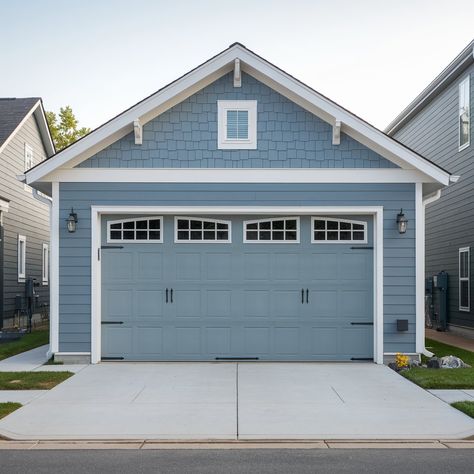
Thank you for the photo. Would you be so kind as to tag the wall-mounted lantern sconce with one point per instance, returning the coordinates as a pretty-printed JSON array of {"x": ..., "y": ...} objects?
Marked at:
[
  {"x": 71, "y": 221},
  {"x": 402, "y": 222}
]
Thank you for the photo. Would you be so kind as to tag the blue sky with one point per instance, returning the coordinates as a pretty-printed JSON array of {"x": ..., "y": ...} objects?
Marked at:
[{"x": 101, "y": 56}]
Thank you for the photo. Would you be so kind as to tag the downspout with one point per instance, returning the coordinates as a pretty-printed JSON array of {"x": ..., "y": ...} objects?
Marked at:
[{"x": 45, "y": 200}]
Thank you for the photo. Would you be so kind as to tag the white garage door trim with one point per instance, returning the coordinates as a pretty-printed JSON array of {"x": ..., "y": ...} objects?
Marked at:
[{"x": 97, "y": 211}]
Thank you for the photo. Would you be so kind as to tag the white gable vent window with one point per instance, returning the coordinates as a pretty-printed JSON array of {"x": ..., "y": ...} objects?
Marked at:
[
  {"x": 464, "y": 114},
  {"x": 237, "y": 124}
]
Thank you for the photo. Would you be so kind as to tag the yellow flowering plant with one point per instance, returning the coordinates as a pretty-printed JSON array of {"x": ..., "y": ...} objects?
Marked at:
[{"x": 401, "y": 360}]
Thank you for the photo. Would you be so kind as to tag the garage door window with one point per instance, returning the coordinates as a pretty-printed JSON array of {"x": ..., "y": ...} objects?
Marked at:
[
  {"x": 195, "y": 229},
  {"x": 338, "y": 231},
  {"x": 278, "y": 230},
  {"x": 135, "y": 230}
]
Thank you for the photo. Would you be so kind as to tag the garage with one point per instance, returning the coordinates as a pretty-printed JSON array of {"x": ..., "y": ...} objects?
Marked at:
[{"x": 237, "y": 287}]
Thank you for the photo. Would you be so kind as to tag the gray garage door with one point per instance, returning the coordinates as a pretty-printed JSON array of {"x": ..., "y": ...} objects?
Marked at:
[{"x": 217, "y": 288}]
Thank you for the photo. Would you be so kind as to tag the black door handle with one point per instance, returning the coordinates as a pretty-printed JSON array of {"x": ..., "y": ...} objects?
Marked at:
[
  {"x": 307, "y": 295},
  {"x": 302, "y": 295},
  {"x": 171, "y": 295},
  {"x": 167, "y": 295}
]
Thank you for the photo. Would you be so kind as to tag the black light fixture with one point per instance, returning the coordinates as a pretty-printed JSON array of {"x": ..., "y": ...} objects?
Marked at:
[
  {"x": 402, "y": 222},
  {"x": 71, "y": 221}
]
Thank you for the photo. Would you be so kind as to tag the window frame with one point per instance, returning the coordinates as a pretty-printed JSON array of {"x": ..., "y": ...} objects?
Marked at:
[
  {"x": 467, "y": 250},
  {"x": 202, "y": 219},
  {"x": 21, "y": 258},
  {"x": 28, "y": 162},
  {"x": 351, "y": 221},
  {"x": 135, "y": 241},
  {"x": 271, "y": 219},
  {"x": 224, "y": 143},
  {"x": 45, "y": 264},
  {"x": 468, "y": 96}
]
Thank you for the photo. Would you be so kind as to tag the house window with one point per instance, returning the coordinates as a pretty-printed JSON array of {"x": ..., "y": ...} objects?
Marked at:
[
  {"x": 21, "y": 257},
  {"x": 328, "y": 229},
  {"x": 139, "y": 230},
  {"x": 237, "y": 124},
  {"x": 196, "y": 229},
  {"x": 464, "y": 277},
  {"x": 28, "y": 161},
  {"x": 277, "y": 230},
  {"x": 45, "y": 266},
  {"x": 464, "y": 114}
]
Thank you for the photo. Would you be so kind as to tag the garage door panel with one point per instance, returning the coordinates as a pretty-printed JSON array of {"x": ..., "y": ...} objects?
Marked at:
[
  {"x": 219, "y": 266},
  {"x": 322, "y": 265},
  {"x": 118, "y": 303},
  {"x": 256, "y": 303},
  {"x": 357, "y": 341},
  {"x": 256, "y": 341},
  {"x": 148, "y": 340},
  {"x": 149, "y": 266},
  {"x": 355, "y": 304},
  {"x": 256, "y": 266},
  {"x": 286, "y": 266},
  {"x": 219, "y": 303},
  {"x": 188, "y": 266},
  {"x": 324, "y": 303},
  {"x": 286, "y": 303},
  {"x": 188, "y": 341},
  {"x": 354, "y": 266},
  {"x": 188, "y": 303},
  {"x": 286, "y": 340},
  {"x": 117, "y": 341},
  {"x": 118, "y": 265},
  {"x": 324, "y": 341},
  {"x": 148, "y": 303},
  {"x": 218, "y": 341}
]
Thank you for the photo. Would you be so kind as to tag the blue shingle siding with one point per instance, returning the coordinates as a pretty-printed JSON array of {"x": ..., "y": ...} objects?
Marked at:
[
  {"x": 75, "y": 249},
  {"x": 287, "y": 136}
]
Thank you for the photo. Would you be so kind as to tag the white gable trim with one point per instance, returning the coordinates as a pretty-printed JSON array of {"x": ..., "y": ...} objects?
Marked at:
[{"x": 262, "y": 71}]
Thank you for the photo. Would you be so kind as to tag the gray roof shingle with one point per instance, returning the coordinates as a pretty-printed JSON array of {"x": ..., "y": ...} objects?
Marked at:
[{"x": 12, "y": 112}]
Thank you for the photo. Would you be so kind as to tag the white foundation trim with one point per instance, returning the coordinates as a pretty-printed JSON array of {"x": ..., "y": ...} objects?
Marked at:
[
  {"x": 54, "y": 274},
  {"x": 97, "y": 211},
  {"x": 244, "y": 175}
]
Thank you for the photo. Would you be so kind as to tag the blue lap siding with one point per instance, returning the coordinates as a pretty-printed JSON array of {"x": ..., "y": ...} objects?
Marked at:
[{"x": 75, "y": 249}]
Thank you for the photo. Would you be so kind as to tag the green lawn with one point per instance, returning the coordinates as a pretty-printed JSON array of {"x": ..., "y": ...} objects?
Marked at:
[
  {"x": 32, "y": 380},
  {"x": 7, "y": 408},
  {"x": 465, "y": 407},
  {"x": 27, "y": 342},
  {"x": 443, "y": 378}
]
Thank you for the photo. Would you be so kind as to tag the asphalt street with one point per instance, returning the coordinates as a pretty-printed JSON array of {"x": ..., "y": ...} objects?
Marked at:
[{"x": 261, "y": 461}]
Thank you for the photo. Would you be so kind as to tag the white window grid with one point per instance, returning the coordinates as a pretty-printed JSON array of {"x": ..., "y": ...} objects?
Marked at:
[
  {"x": 464, "y": 117},
  {"x": 135, "y": 233},
  {"x": 200, "y": 231},
  {"x": 464, "y": 276},
  {"x": 271, "y": 226},
  {"x": 341, "y": 228}
]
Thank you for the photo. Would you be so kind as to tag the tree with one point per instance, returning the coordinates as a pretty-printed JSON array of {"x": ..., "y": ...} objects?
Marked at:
[{"x": 65, "y": 130}]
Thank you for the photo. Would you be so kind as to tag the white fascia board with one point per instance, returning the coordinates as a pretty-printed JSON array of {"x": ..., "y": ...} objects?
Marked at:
[
  {"x": 144, "y": 111},
  {"x": 242, "y": 175},
  {"x": 329, "y": 111},
  {"x": 40, "y": 116},
  {"x": 261, "y": 70}
]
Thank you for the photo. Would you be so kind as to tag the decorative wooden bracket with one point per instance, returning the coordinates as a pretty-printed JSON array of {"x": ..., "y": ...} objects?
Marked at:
[
  {"x": 137, "y": 128},
  {"x": 237, "y": 74},
  {"x": 336, "y": 133}
]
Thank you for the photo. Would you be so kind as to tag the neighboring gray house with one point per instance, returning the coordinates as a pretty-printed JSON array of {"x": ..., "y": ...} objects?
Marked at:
[
  {"x": 25, "y": 141},
  {"x": 438, "y": 125},
  {"x": 237, "y": 213}
]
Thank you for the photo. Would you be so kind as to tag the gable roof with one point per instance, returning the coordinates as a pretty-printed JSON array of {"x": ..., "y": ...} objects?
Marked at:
[
  {"x": 15, "y": 111},
  {"x": 265, "y": 72},
  {"x": 455, "y": 68}
]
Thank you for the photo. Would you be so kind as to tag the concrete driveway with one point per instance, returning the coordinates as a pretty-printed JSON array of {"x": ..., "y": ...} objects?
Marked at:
[{"x": 236, "y": 401}]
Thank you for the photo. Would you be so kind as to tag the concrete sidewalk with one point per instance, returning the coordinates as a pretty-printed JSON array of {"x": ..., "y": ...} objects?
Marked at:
[
  {"x": 236, "y": 401},
  {"x": 26, "y": 361},
  {"x": 452, "y": 396}
]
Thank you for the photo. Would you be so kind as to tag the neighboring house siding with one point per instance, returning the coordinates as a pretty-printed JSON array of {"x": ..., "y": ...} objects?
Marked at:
[
  {"x": 26, "y": 216},
  {"x": 433, "y": 132},
  {"x": 287, "y": 136},
  {"x": 75, "y": 249}
]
